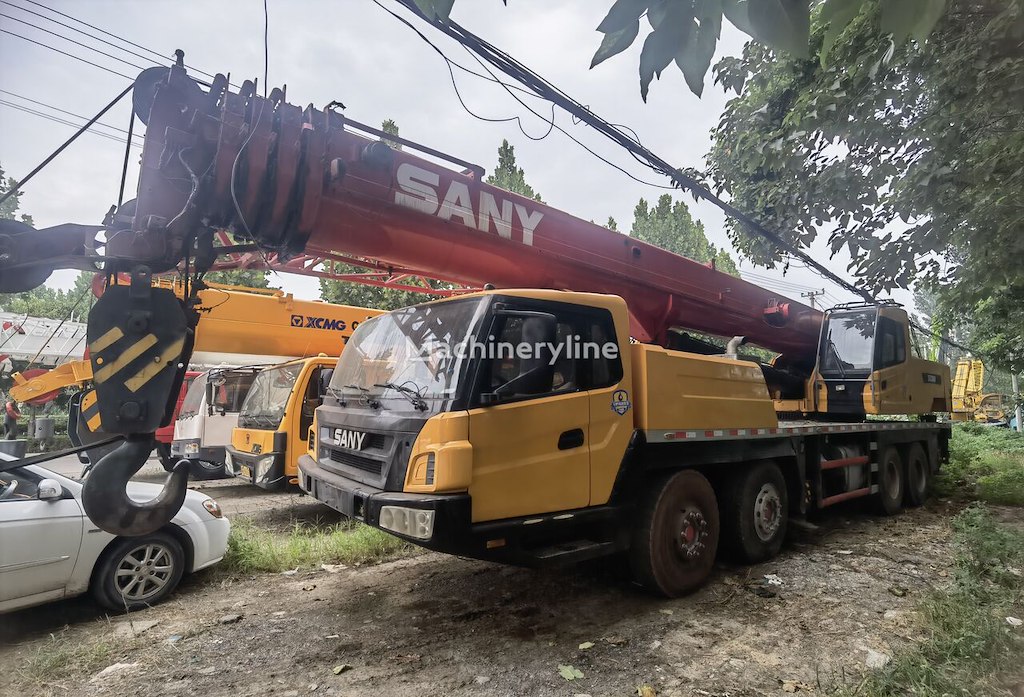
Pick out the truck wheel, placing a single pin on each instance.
(890, 481)
(676, 534)
(918, 476)
(755, 513)
(204, 469)
(163, 453)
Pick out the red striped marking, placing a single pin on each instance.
(845, 496)
(844, 462)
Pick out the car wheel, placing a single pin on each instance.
(676, 536)
(755, 513)
(136, 572)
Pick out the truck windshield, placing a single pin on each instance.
(409, 359)
(230, 388)
(848, 344)
(193, 401)
(267, 399)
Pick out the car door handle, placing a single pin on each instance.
(571, 439)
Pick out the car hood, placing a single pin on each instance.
(143, 491)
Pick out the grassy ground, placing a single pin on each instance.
(256, 549)
(985, 464)
(968, 645)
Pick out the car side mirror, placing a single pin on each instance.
(49, 490)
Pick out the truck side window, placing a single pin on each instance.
(892, 345)
(605, 371)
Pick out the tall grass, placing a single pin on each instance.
(985, 463)
(968, 646)
(255, 549)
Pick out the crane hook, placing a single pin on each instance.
(108, 504)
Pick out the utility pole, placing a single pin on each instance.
(811, 295)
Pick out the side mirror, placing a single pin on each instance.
(49, 490)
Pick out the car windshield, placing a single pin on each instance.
(849, 343)
(409, 358)
(267, 399)
(193, 401)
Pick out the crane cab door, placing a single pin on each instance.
(531, 426)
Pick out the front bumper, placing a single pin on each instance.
(452, 530)
(265, 470)
(191, 449)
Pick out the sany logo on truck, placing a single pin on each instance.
(418, 190)
(309, 322)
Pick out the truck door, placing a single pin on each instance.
(890, 378)
(530, 428)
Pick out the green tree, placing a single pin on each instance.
(510, 177)
(910, 156)
(391, 128)
(685, 32)
(9, 208)
(248, 278)
(670, 226)
(53, 303)
(611, 224)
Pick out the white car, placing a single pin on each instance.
(49, 549)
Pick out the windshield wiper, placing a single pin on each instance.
(364, 395)
(835, 352)
(409, 393)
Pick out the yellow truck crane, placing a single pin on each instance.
(971, 403)
(554, 416)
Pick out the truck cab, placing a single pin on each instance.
(207, 416)
(274, 420)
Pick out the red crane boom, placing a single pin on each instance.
(311, 181)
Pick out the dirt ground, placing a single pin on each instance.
(433, 624)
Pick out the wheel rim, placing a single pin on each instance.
(691, 540)
(209, 466)
(144, 572)
(767, 512)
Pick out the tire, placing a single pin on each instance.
(204, 469)
(918, 476)
(755, 513)
(148, 555)
(676, 534)
(163, 453)
(890, 482)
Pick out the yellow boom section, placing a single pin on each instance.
(263, 325)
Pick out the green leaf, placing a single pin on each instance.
(435, 9)
(782, 24)
(838, 14)
(621, 14)
(662, 44)
(736, 11)
(616, 42)
(694, 58)
(906, 18)
(569, 672)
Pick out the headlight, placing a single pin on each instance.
(213, 508)
(412, 522)
(263, 466)
(191, 448)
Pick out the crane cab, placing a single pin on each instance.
(868, 363)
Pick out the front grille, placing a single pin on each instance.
(359, 462)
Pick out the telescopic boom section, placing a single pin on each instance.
(311, 180)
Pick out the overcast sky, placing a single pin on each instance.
(353, 51)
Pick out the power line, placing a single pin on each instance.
(77, 43)
(14, 189)
(511, 67)
(63, 111)
(114, 36)
(83, 32)
(69, 55)
(63, 122)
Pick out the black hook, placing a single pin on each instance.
(107, 503)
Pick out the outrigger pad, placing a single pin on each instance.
(136, 337)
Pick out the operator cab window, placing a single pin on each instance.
(891, 343)
(570, 361)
